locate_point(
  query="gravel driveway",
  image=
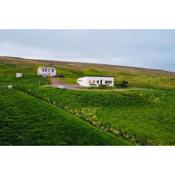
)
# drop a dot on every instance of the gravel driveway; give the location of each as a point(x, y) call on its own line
point(57, 83)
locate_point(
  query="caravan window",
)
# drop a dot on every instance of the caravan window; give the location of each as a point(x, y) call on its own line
point(108, 82)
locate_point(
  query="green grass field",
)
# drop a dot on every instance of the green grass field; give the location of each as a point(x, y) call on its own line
point(34, 114)
point(25, 120)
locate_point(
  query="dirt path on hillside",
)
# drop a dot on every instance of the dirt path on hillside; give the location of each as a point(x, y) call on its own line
point(55, 82)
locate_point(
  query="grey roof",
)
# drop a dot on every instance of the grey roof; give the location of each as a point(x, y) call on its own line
point(45, 67)
point(97, 76)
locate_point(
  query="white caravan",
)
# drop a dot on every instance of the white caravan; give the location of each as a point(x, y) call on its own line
point(96, 81)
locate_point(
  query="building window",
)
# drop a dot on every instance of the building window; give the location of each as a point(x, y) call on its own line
point(108, 82)
point(97, 81)
point(52, 70)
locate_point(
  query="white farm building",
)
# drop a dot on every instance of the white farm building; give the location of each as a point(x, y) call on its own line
point(47, 71)
point(96, 81)
point(18, 75)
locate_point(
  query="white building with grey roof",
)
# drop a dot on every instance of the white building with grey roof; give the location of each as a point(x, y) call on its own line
point(96, 81)
point(46, 71)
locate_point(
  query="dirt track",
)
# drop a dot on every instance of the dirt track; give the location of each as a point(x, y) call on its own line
point(56, 83)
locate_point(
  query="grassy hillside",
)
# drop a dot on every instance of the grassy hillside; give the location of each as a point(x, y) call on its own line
point(137, 77)
point(25, 120)
point(143, 117)
point(143, 114)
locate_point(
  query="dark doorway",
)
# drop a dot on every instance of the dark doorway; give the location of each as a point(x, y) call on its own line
point(100, 81)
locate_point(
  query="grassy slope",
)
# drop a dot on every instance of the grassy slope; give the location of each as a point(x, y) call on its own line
point(147, 116)
point(144, 116)
point(137, 77)
point(25, 120)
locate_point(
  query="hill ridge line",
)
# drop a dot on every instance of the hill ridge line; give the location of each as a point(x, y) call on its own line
point(86, 63)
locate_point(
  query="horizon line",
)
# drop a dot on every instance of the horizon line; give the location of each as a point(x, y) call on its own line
point(55, 59)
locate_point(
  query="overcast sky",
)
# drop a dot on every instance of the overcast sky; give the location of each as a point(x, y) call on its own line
point(141, 48)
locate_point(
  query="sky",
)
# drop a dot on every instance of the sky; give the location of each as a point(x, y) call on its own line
point(140, 48)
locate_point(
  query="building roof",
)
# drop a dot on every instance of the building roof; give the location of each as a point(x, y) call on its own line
point(45, 67)
point(97, 76)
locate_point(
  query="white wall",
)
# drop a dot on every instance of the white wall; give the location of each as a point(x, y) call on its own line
point(84, 81)
point(48, 71)
point(18, 75)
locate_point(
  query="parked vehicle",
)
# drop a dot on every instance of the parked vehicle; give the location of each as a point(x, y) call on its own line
point(61, 75)
point(124, 84)
point(61, 87)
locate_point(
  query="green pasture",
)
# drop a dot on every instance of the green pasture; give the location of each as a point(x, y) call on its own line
point(34, 114)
